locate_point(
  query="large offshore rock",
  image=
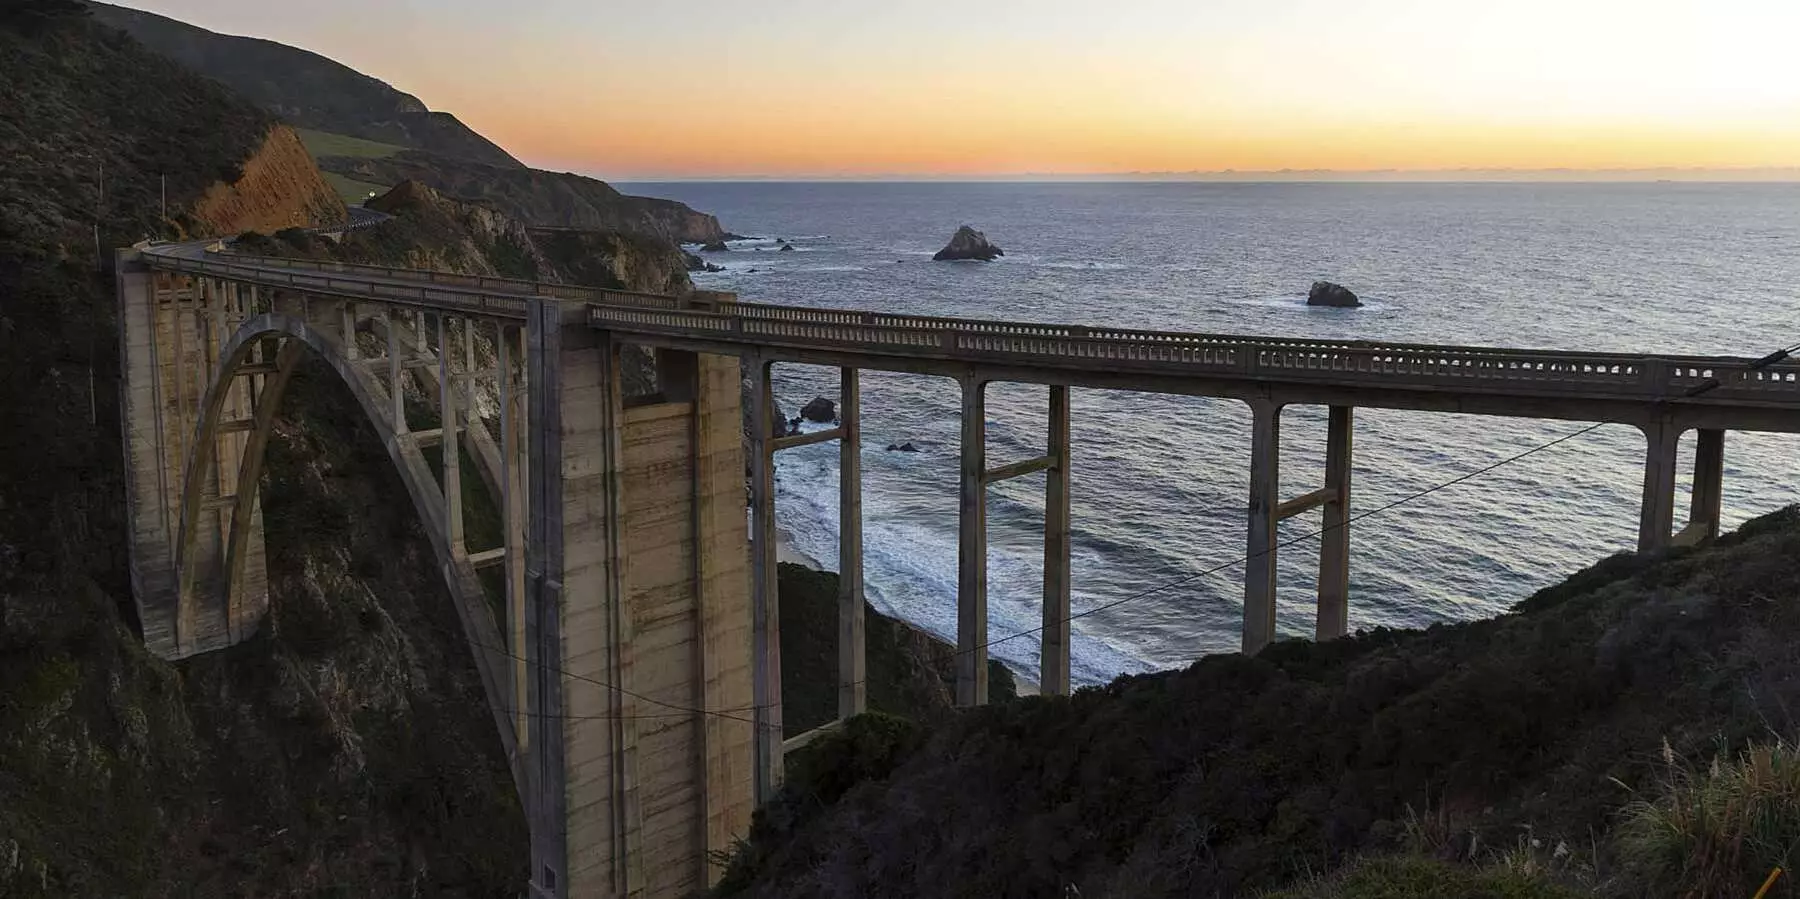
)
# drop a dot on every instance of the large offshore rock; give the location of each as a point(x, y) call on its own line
point(820, 410)
point(1325, 293)
point(969, 243)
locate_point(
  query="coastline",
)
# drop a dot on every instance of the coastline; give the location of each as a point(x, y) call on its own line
point(786, 552)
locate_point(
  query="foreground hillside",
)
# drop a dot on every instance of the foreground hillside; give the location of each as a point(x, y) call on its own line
point(1524, 735)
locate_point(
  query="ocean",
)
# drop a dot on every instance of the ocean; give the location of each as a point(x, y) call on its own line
point(1160, 483)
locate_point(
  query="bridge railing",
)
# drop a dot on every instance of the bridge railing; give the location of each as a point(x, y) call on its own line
point(1403, 366)
point(1395, 365)
point(461, 300)
point(481, 283)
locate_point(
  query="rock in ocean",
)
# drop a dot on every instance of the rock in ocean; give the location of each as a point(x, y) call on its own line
point(969, 244)
point(1325, 293)
point(820, 410)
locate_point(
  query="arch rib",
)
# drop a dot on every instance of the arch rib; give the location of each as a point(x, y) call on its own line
point(466, 592)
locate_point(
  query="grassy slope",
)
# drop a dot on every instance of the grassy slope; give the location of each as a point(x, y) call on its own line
point(324, 143)
point(1241, 774)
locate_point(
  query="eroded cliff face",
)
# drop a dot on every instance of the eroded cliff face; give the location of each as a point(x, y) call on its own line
point(279, 186)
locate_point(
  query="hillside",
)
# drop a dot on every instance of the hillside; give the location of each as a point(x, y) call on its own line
point(369, 136)
point(307, 89)
point(341, 746)
point(537, 198)
point(1514, 741)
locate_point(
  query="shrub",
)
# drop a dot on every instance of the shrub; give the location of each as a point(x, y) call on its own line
point(1716, 832)
point(1411, 877)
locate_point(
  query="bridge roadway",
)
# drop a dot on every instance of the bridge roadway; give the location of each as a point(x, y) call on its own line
point(567, 332)
point(1625, 388)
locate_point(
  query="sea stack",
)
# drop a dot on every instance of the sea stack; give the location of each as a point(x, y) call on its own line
point(969, 244)
point(1325, 293)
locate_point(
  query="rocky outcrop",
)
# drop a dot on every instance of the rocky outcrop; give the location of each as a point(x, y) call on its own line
point(614, 260)
point(715, 246)
point(969, 244)
point(537, 198)
point(277, 187)
point(819, 411)
point(1325, 293)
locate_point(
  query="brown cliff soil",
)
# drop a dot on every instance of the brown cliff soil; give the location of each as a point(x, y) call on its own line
point(280, 188)
point(1520, 734)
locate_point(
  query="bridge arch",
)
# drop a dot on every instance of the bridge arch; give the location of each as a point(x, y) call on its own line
point(299, 334)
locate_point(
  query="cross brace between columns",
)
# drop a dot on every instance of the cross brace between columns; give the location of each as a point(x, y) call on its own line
point(1019, 469)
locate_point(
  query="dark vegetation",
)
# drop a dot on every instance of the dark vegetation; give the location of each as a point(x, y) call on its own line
point(1240, 774)
point(359, 765)
point(911, 674)
point(306, 89)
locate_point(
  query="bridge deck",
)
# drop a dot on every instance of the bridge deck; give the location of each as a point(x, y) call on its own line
point(1621, 387)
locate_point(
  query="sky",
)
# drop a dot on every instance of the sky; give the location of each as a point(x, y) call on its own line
point(648, 89)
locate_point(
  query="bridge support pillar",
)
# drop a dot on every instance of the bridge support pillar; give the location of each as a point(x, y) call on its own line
point(971, 593)
point(1657, 517)
point(1334, 549)
point(1053, 653)
point(1709, 487)
point(765, 598)
point(853, 693)
point(1265, 500)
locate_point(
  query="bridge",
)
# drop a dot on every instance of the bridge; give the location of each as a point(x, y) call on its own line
point(627, 632)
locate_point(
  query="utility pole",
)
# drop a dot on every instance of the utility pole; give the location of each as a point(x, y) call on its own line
point(165, 197)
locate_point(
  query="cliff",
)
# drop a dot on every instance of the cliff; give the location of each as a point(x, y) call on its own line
point(537, 198)
point(279, 187)
point(1561, 747)
point(307, 89)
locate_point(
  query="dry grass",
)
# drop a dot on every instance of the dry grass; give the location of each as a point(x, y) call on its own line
point(1715, 831)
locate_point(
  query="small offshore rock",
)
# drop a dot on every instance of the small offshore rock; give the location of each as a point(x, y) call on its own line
point(968, 243)
point(820, 410)
point(717, 246)
point(787, 248)
point(1325, 293)
point(902, 448)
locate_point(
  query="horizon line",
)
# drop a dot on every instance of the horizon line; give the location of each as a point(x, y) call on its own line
point(1750, 174)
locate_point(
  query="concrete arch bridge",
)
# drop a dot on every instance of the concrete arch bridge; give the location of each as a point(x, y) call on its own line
point(633, 663)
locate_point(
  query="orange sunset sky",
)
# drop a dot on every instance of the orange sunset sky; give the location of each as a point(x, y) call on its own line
point(802, 88)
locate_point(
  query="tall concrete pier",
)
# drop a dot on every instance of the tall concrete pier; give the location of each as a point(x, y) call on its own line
point(633, 663)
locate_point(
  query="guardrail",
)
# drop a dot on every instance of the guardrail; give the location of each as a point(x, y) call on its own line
point(468, 301)
point(1396, 366)
point(1351, 363)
